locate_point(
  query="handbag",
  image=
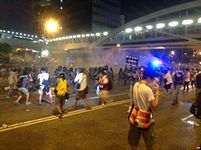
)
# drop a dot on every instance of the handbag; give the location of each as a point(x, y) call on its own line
point(140, 118)
point(195, 110)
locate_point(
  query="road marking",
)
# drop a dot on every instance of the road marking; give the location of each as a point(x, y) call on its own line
point(50, 118)
point(186, 118)
point(189, 121)
point(95, 97)
point(113, 95)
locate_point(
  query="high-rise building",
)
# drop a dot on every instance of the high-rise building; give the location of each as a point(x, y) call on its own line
point(42, 11)
point(78, 16)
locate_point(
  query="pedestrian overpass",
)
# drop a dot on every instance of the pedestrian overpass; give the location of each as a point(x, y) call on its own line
point(174, 27)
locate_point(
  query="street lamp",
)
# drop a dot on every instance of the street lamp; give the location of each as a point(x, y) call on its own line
point(118, 45)
point(51, 26)
point(45, 53)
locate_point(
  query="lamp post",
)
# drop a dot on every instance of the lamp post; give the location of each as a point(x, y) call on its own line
point(50, 27)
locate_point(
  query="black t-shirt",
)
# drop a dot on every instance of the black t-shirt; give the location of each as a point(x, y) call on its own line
point(178, 78)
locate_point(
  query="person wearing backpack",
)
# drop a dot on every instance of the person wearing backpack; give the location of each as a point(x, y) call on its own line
point(60, 93)
point(44, 85)
point(105, 86)
point(22, 82)
point(82, 89)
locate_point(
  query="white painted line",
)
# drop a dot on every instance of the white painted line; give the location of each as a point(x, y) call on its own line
point(95, 97)
point(50, 118)
point(186, 118)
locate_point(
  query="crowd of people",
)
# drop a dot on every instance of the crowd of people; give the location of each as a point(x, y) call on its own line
point(22, 81)
point(146, 84)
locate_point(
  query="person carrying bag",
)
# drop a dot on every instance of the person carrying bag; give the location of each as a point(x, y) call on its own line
point(141, 117)
point(61, 94)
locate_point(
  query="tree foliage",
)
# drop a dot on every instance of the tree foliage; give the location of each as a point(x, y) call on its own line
point(5, 48)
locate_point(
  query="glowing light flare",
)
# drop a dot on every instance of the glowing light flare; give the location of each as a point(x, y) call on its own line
point(98, 34)
point(128, 30)
point(172, 52)
point(105, 33)
point(118, 45)
point(138, 29)
point(160, 25)
point(199, 20)
point(149, 27)
point(173, 23)
point(45, 53)
point(187, 22)
point(51, 25)
point(156, 63)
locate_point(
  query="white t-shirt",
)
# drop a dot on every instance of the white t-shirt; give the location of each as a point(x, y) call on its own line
point(142, 95)
point(43, 76)
point(168, 77)
point(82, 79)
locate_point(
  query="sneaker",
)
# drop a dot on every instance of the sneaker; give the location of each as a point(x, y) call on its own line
point(28, 103)
point(88, 107)
point(55, 112)
point(64, 111)
point(16, 103)
point(60, 116)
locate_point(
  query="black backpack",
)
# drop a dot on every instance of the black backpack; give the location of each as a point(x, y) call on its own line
point(20, 82)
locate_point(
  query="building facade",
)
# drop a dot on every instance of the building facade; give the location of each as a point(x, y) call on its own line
point(42, 11)
point(78, 16)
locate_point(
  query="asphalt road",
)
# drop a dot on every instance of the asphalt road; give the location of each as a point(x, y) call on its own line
point(105, 128)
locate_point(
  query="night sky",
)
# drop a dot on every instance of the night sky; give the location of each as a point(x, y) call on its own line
point(137, 8)
point(17, 14)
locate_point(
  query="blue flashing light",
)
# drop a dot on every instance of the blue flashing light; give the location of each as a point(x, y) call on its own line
point(156, 63)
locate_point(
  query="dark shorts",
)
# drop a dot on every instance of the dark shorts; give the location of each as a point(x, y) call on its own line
point(168, 86)
point(81, 94)
point(60, 100)
point(135, 133)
